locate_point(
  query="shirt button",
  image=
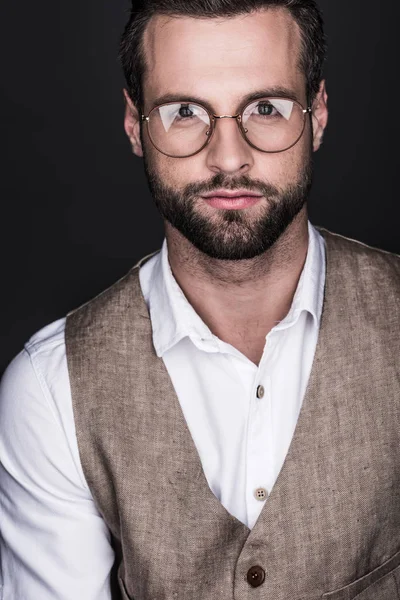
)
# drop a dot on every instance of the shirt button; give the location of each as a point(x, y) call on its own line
point(260, 391)
point(261, 494)
point(255, 576)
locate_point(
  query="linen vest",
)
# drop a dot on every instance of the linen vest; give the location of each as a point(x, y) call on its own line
point(330, 528)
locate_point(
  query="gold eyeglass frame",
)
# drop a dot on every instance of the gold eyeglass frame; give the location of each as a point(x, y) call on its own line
point(238, 118)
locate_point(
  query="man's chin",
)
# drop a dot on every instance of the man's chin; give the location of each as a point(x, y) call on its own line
point(230, 247)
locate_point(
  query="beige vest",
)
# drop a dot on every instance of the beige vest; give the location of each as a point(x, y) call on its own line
point(330, 528)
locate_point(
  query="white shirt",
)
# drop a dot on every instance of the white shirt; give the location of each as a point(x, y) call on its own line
point(54, 544)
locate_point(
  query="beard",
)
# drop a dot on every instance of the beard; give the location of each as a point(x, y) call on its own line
point(231, 234)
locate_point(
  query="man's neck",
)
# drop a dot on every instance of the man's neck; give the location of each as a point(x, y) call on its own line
point(241, 301)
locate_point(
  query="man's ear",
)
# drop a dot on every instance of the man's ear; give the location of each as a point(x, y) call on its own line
point(132, 125)
point(319, 116)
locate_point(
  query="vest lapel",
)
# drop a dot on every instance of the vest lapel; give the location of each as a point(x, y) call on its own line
point(184, 472)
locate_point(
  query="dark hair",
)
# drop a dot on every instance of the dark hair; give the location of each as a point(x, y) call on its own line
point(305, 12)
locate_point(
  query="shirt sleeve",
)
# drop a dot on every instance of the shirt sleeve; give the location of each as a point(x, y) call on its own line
point(54, 545)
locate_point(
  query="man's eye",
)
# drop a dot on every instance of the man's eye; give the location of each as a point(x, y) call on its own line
point(266, 110)
point(185, 112)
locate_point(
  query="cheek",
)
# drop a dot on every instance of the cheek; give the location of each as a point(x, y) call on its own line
point(175, 172)
point(157, 163)
point(179, 172)
point(282, 168)
point(300, 155)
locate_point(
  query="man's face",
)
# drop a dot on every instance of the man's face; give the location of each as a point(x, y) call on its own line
point(221, 61)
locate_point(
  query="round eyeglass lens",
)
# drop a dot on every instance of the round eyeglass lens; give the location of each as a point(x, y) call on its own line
point(273, 124)
point(179, 129)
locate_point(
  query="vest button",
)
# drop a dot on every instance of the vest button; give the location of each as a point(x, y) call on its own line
point(260, 391)
point(255, 576)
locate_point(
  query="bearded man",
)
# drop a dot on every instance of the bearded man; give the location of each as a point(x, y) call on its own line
point(223, 422)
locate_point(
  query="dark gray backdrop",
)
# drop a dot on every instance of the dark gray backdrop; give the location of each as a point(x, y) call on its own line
point(75, 210)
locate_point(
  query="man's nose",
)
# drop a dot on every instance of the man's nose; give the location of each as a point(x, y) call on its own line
point(228, 151)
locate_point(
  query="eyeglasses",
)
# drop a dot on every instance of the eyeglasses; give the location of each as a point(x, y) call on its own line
point(183, 129)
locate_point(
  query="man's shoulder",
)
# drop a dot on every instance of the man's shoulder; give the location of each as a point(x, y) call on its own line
point(47, 339)
point(361, 262)
point(120, 295)
point(44, 354)
point(115, 310)
point(36, 379)
point(346, 244)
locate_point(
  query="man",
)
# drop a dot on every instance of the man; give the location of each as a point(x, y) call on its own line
point(223, 422)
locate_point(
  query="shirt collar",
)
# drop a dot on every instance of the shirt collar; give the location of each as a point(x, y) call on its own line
point(309, 293)
point(173, 317)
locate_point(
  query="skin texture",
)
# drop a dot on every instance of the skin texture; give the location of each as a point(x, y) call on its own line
point(239, 300)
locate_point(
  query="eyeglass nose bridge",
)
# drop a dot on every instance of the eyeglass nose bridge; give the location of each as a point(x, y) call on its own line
point(238, 118)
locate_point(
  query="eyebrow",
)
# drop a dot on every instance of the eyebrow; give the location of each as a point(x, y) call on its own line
point(277, 92)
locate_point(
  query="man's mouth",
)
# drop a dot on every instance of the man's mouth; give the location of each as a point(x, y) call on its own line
point(231, 200)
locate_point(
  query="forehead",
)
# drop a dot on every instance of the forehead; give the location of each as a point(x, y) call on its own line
point(217, 58)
